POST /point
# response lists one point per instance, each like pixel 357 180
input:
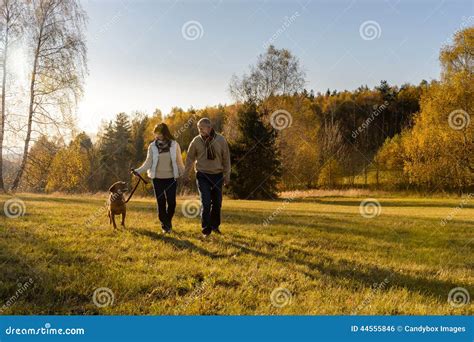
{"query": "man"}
pixel 210 154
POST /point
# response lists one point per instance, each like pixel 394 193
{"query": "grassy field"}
pixel 316 255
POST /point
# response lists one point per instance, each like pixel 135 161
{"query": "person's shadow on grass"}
pixel 178 243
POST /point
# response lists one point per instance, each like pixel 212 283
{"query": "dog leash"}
pixel 140 178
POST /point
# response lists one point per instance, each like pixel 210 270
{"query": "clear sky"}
pixel 151 54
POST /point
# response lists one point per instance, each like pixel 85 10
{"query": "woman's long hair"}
pixel 163 129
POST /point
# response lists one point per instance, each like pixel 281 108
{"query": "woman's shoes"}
pixel 208 230
pixel 166 229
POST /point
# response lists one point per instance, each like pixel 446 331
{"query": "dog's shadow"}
pixel 180 244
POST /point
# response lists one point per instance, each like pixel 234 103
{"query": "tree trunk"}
pixel 365 175
pixel 17 180
pixel 2 119
pixel 377 175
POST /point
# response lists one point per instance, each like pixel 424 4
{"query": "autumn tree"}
pixel 297 139
pixel 391 160
pixel 70 168
pixel 58 53
pixel 277 72
pixel 39 163
pixel 440 148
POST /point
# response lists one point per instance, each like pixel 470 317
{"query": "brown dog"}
pixel 116 202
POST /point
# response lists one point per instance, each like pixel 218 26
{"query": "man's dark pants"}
pixel 165 191
pixel 210 190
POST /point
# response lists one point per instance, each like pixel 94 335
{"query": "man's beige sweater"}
pixel 197 155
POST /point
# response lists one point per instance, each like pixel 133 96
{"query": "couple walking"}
pixel 208 153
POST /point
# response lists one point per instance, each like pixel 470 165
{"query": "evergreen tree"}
pixel 139 146
pixel 122 153
pixel 106 154
pixel 256 165
pixel 115 152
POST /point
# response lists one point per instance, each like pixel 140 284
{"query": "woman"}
pixel 164 165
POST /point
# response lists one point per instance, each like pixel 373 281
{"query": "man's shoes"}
pixel 206 231
pixel 217 230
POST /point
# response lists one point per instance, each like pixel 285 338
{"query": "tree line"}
pixel 283 136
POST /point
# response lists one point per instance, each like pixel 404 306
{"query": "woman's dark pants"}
pixel 165 192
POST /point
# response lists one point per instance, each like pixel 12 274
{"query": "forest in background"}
pixel 282 135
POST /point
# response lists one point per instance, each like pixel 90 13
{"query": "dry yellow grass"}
pixel 317 251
